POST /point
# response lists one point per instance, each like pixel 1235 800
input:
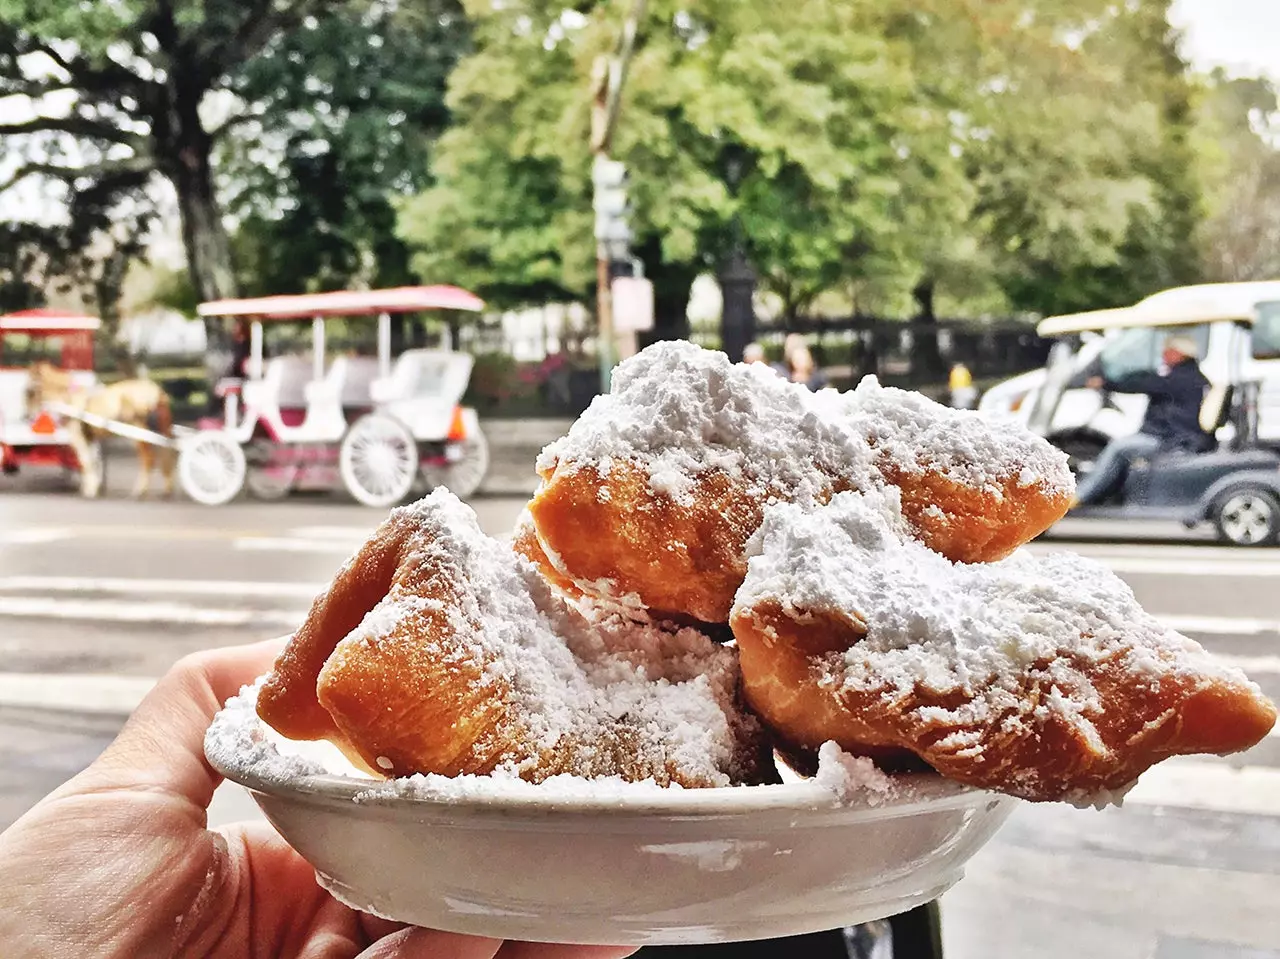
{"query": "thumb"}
pixel 161 747
pixel 415 943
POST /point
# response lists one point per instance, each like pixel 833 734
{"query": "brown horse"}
pixel 137 402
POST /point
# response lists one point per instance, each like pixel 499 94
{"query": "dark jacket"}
pixel 1173 414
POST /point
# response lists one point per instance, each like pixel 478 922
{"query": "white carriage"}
pixel 378 425
pixel 30 437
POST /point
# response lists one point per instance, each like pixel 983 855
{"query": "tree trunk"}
pixel 926 363
pixel 184 155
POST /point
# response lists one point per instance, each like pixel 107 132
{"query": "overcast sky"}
pixel 1242 35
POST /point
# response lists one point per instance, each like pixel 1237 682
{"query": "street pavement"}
pixel 99 598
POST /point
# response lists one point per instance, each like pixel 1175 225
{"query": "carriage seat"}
pixel 13 396
pixel 359 372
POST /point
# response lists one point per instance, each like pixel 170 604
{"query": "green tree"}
pixel 352 107
pixel 1239 120
pixel 793 129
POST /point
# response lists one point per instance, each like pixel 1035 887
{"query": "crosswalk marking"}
pixel 289 544
pixel 229 589
pixel 1220 625
pixel 72 692
pixel 32 535
pixel 1195 784
pixel 1251 664
pixel 149 611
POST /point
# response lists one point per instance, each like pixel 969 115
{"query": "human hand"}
pixel 118 863
pixel 1095 383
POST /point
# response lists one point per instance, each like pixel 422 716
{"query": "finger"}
pixel 430 944
pixel 162 744
pixel 546 950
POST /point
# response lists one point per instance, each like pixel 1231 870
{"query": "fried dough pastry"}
pixel 439 650
pixel 648 501
pixel 972 489
pixel 1042 678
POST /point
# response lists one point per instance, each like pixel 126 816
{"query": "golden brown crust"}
pixel 1139 722
pixel 615 537
pixel 414 687
pixel 967 524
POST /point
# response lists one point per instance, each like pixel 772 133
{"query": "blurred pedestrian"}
pixel 753 353
pixel 1172 420
pixel 803 370
pixel 963 394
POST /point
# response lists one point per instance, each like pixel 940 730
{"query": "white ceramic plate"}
pixel 642 866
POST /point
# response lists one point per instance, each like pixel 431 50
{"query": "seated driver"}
pixel 1172 421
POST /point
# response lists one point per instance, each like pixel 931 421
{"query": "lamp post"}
pixel 738 316
pixel 736 277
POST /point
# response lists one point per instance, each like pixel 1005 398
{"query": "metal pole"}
pixel 609 81
pixel 384 345
pixel 317 348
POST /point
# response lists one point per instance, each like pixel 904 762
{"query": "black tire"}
pixel 1247 516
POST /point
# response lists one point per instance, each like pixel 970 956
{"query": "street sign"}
pixel 632 304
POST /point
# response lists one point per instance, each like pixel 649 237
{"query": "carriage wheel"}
pixel 93 471
pixel 266 480
pixel 463 476
pixel 211 467
pixel 378 460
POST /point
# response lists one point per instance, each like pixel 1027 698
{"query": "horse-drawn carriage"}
pixel 377 424
pixel 49 343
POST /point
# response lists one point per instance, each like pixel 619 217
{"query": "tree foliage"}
pixel 340 120
pixel 1027 154
pixel 345 95
pixel 1239 137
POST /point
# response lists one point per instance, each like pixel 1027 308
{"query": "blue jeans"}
pixel 1111 465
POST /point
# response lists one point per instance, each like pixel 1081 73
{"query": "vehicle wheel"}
pixel 211 468
pixel 378 460
pixel 93 471
pixel 463 477
pixel 1247 517
pixel 265 480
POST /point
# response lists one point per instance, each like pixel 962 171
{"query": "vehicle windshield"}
pixel 1138 349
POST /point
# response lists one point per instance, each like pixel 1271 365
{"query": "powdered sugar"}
pixel 851 778
pixel 975 631
pixel 573 687
pixel 237 738
pixel 914 433
pixel 677 410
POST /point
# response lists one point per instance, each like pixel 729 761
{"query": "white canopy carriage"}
pixel 377 423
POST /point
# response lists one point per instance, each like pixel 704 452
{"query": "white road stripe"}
pixel 32 535
pixel 345 533
pixel 1220 625
pixel 1251 664
pixel 293 545
pixel 1190 566
pixel 1195 784
pixel 230 589
pixel 74 692
pixel 1195 551
pixel 119 611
